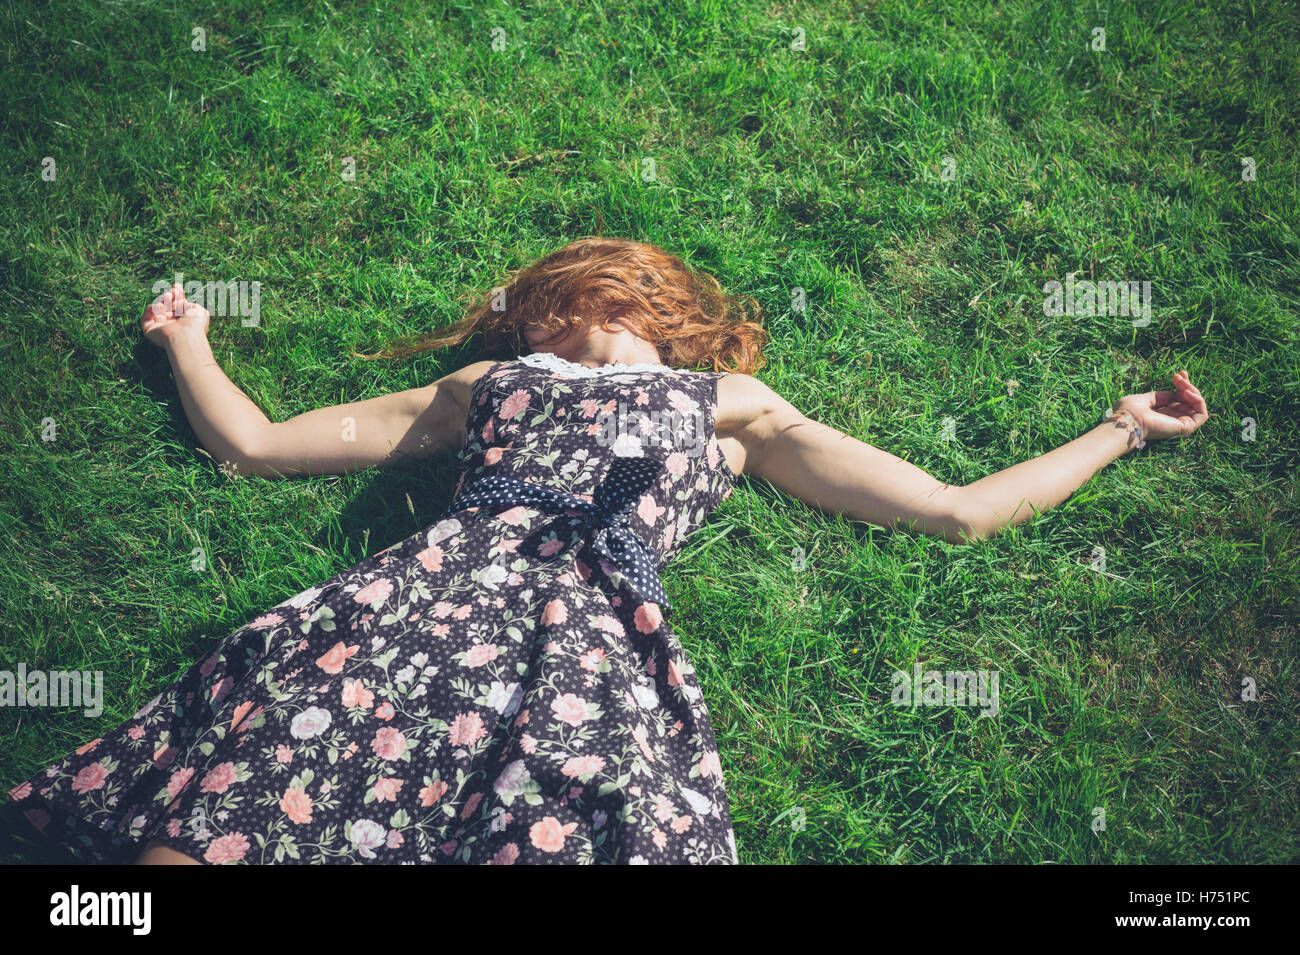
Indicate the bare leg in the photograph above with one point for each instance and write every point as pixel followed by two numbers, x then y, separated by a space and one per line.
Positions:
pixel 155 853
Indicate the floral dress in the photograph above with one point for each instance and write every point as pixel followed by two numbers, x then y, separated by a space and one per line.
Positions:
pixel 500 687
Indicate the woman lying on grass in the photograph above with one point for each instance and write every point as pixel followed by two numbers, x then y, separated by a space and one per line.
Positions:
pixel 503 686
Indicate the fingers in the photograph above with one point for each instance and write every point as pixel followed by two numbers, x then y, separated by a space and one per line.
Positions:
pixel 1190 393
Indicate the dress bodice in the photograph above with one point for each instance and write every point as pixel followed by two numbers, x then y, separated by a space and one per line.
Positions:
pixel 543 419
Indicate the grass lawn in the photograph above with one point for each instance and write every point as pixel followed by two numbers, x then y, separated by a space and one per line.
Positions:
pixel 918 170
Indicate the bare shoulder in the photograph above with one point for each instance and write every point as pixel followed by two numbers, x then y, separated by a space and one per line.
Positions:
pixel 748 411
pixel 743 399
pixel 461 381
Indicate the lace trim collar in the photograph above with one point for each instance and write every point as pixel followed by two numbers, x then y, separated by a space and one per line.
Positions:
pixel 554 363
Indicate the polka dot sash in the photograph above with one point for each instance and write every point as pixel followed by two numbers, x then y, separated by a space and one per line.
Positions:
pixel 606 513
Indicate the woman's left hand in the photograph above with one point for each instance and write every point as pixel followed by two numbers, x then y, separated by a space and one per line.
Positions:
pixel 1167 414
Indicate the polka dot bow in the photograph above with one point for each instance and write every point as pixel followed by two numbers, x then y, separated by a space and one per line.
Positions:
pixel 606 513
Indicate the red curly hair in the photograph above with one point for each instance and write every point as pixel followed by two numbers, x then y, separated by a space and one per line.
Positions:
pixel 683 312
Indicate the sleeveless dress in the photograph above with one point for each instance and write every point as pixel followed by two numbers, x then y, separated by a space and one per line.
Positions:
pixel 500 687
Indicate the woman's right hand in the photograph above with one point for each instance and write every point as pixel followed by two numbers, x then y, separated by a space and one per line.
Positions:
pixel 171 315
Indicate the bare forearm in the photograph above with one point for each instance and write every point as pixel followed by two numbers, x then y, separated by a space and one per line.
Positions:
pixel 225 419
pixel 1012 496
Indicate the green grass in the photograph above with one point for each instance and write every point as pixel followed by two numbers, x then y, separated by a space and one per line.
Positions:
pixel 776 169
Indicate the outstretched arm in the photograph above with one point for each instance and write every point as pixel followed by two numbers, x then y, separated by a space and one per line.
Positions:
pixel 765 435
pixel 335 440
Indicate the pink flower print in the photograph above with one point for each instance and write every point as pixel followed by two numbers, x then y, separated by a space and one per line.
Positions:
pixel 577 766
pixel 209 665
pixel 470 805
pixel 489 432
pixel 90 778
pixel 639 735
pixel 514 406
pixel 247 723
pixel 548 834
pixel 583 570
pixel 663 808
pixel 356 694
pixel 441 630
pixel 283 754
pixel 296 804
pixel 569 708
pixel 463 611
pixel 83 750
pixel 222 690
pixel 676 464
pixel 550 548
pixel 431 558
pixel 265 621
pixel 682 403
pixel 592 659
pixel 173 828
pixel 681 824
pixel 224 849
pixel 389 743
pixel 375 592
pixel 19 793
pixel 660 838
pixel 528 744
pixel 515 516
pixel 610 624
pixel 555 612
pixel 480 654
pixel 386 789
pixel 241 711
pixel 219 779
pixel 674 673
pixel 38 817
pixel 163 756
pixel 395 839
pixel 492 456
pixel 431 793
pixel 506 855
pixel 336 656
pixel 711 454
pixel 710 765
pixel 648 511
pixel 465 729
pixel 385 711
pixel 179 780
pixel 648 617
pixel 642 398
pixel 442 608
pixel 589 407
